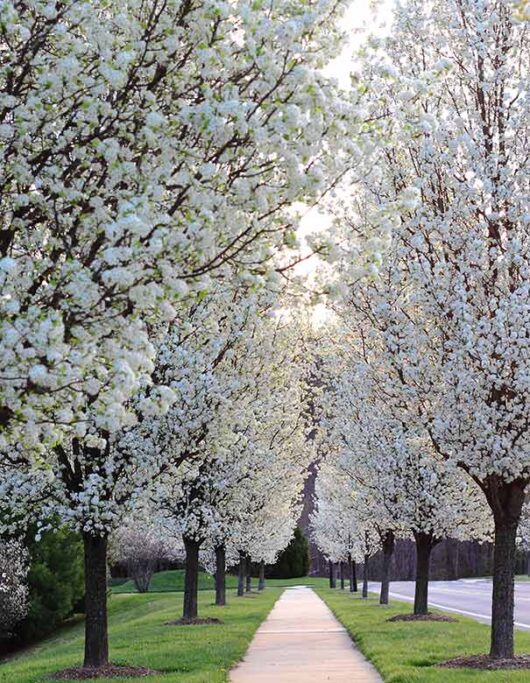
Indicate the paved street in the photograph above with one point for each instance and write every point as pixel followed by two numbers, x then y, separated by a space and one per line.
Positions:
pixel 469 597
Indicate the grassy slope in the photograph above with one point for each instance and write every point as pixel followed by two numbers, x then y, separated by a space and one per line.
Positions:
pixel 406 652
pixel 403 652
pixel 139 636
pixel 174 581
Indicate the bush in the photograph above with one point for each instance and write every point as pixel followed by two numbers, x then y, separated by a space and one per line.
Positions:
pixel 55 581
pixel 293 562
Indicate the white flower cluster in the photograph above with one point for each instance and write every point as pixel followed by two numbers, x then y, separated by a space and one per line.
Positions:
pixel 14 565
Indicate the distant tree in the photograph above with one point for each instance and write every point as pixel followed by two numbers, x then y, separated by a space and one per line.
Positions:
pixel 142 546
pixel 294 560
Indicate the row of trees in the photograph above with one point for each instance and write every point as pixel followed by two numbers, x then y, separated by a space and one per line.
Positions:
pixel 153 158
pixel 425 408
pixel 152 154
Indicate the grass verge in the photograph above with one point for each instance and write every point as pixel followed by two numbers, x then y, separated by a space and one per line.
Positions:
pixel 407 652
pixel 139 636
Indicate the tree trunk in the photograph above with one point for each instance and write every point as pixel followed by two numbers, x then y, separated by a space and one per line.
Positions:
pixel 261 585
pixel 96 629
pixel 424 545
pixel 241 574
pixel 353 574
pixel 341 569
pixel 506 502
pixel 365 576
pixel 142 572
pixel 528 563
pixel 220 575
pixel 503 592
pixel 389 542
pixel 248 587
pixel 332 581
pixel 191 578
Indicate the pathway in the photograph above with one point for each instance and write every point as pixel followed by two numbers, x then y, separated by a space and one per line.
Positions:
pixel 302 642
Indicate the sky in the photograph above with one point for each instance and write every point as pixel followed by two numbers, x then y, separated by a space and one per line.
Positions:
pixel 364 17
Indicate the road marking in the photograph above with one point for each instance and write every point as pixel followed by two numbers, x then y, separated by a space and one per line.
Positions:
pixel 458 611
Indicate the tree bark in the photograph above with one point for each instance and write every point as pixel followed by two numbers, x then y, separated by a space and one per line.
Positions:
pixel 241 574
pixel 332 581
pixel 424 545
pixel 191 578
pixel 341 569
pixel 220 575
pixel 365 576
pixel 502 612
pixel 248 586
pixel 389 542
pixel 261 585
pixel 528 563
pixel 142 572
pixel 96 628
pixel 506 502
pixel 353 574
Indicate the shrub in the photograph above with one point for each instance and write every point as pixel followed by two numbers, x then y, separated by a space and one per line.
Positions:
pixel 55 581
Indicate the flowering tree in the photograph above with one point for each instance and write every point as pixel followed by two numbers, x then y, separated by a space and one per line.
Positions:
pixel 446 208
pixel 248 447
pixel 142 147
pixel 401 482
pixel 145 149
pixel 142 546
pixel 341 524
pixel 14 566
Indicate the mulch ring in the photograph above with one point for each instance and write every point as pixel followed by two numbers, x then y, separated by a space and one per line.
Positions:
pixel 487 663
pixel 107 671
pixel 422 617
pixel 194 622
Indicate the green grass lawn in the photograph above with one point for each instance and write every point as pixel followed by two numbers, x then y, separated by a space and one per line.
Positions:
pixel 404 652
pixel 173 580
pixel 407 652
pixel 139 636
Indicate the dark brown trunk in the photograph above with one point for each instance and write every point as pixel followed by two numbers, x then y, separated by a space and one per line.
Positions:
pixel 506 502
pixel 389 542
pixel 365 576
pixel 261 585
pixel 248 586
pixel 341 570
pixel 332 581
pixel 424 545
pixel 528 563
pixel 241 574
pixel 220 575
pixel 96 628
pixel 353 574
pixel 191 578
pixel 503 592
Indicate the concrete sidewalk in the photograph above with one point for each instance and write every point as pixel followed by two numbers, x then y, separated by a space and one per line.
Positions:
pixel 302 642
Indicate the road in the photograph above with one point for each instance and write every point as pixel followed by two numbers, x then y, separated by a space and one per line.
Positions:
pixel 469 597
